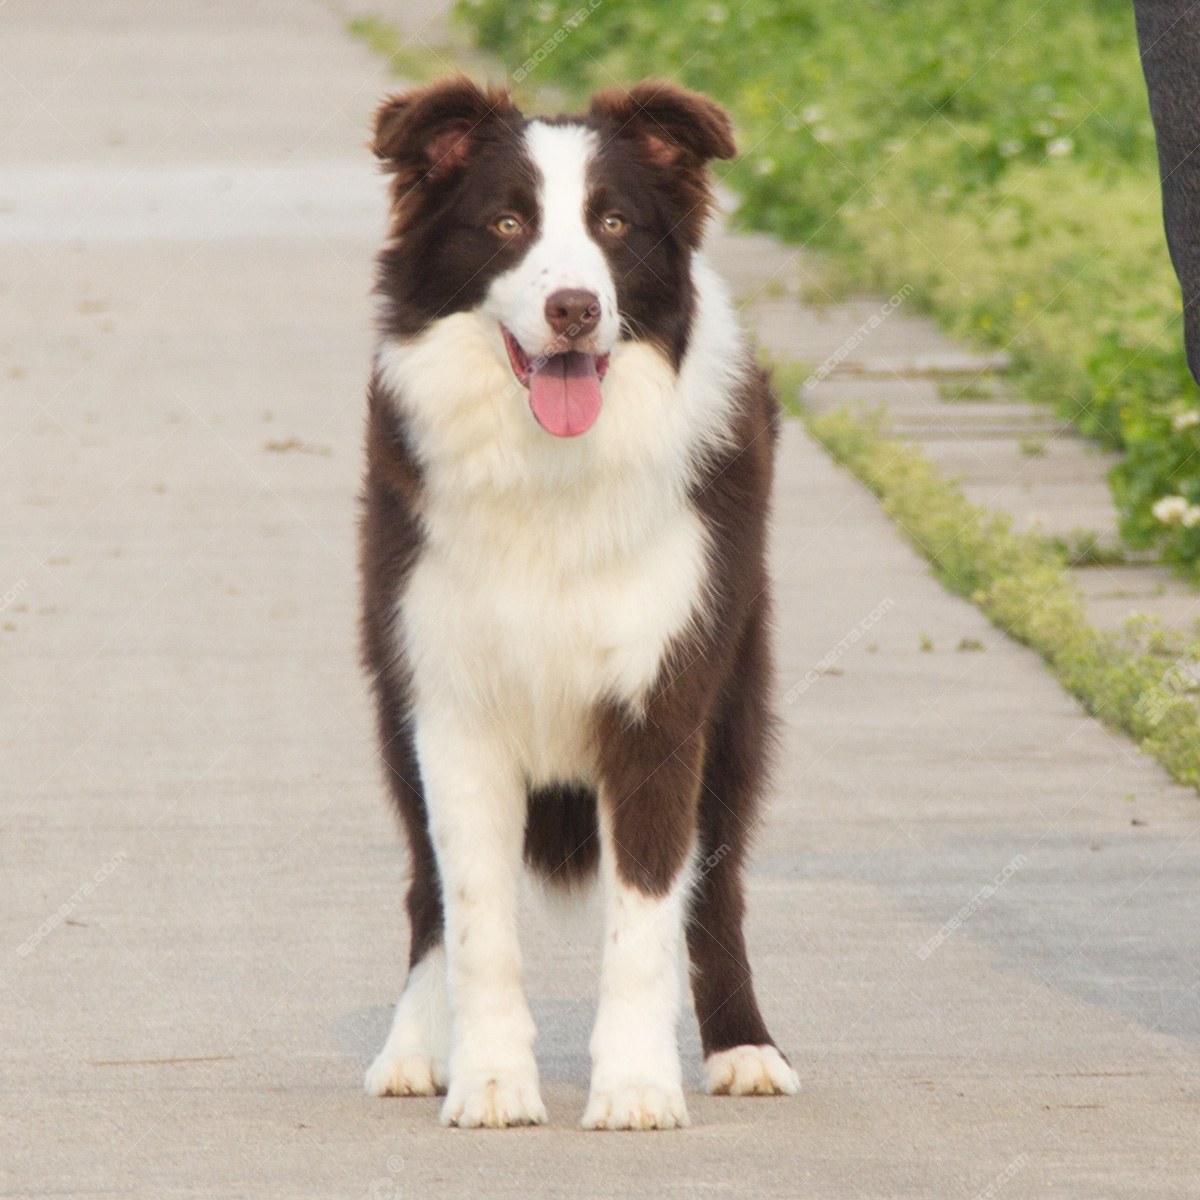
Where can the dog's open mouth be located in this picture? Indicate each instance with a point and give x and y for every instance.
(564, 388)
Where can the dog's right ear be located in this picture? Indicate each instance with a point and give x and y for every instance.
(428, 134)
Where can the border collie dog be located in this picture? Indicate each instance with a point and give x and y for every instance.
(565, 601)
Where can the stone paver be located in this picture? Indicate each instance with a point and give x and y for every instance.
(973, 909)
(870, 354)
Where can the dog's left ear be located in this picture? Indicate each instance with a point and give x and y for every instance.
(671, 124)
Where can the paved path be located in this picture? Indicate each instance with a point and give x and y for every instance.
(974, 911)
(955, 406)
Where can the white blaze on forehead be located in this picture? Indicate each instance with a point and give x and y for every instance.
(565, 255)
(561, 153)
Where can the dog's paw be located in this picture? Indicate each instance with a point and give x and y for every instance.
(493, 1102)
(635, 1106)
(750, 1071)
(412, 1074)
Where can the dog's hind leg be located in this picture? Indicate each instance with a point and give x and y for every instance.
(413, 1061)
(740, 1057)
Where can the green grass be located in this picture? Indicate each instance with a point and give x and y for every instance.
(972, 389)
(1138, 682)
(1086, 548)
(1002, 165)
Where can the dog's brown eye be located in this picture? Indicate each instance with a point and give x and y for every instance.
(507, 225)
(614, 223)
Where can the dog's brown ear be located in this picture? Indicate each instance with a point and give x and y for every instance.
(670, 122)
(428, 133)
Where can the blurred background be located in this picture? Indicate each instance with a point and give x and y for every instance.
(1000, 162)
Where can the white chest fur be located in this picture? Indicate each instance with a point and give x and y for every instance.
(555, 573)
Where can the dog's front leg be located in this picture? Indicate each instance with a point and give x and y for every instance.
(476, 802)
(648, 796)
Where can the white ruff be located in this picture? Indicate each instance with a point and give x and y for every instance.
(556, 572)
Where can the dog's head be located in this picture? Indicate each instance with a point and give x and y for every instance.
(571, 234)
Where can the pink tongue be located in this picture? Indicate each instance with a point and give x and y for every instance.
(564, 393)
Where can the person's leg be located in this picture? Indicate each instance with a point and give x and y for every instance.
(1169, 37)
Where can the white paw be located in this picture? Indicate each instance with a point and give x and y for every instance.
(413, 1059)
(635, 1106)
(412, 1074)
(491, 1102)
(750, 1071)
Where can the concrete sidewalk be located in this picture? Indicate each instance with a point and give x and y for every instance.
(974, 913)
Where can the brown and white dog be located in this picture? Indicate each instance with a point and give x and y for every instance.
(565, 602)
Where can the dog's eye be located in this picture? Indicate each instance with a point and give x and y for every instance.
(507, 225)
(614, 223)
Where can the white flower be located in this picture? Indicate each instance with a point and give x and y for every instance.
(824, 134)
(1191, 517)
(812, 114)
(1185, 420)
(1059, 147)
(765, 166)
(1171, 510)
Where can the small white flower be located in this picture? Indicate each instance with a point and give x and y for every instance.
(824, 134)
(765, 166)
(1059, 147)
(1191, 517)
(1185, 420)
(1171, 510)
(812, 114)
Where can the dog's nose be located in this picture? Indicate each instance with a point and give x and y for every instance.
(572, 312)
